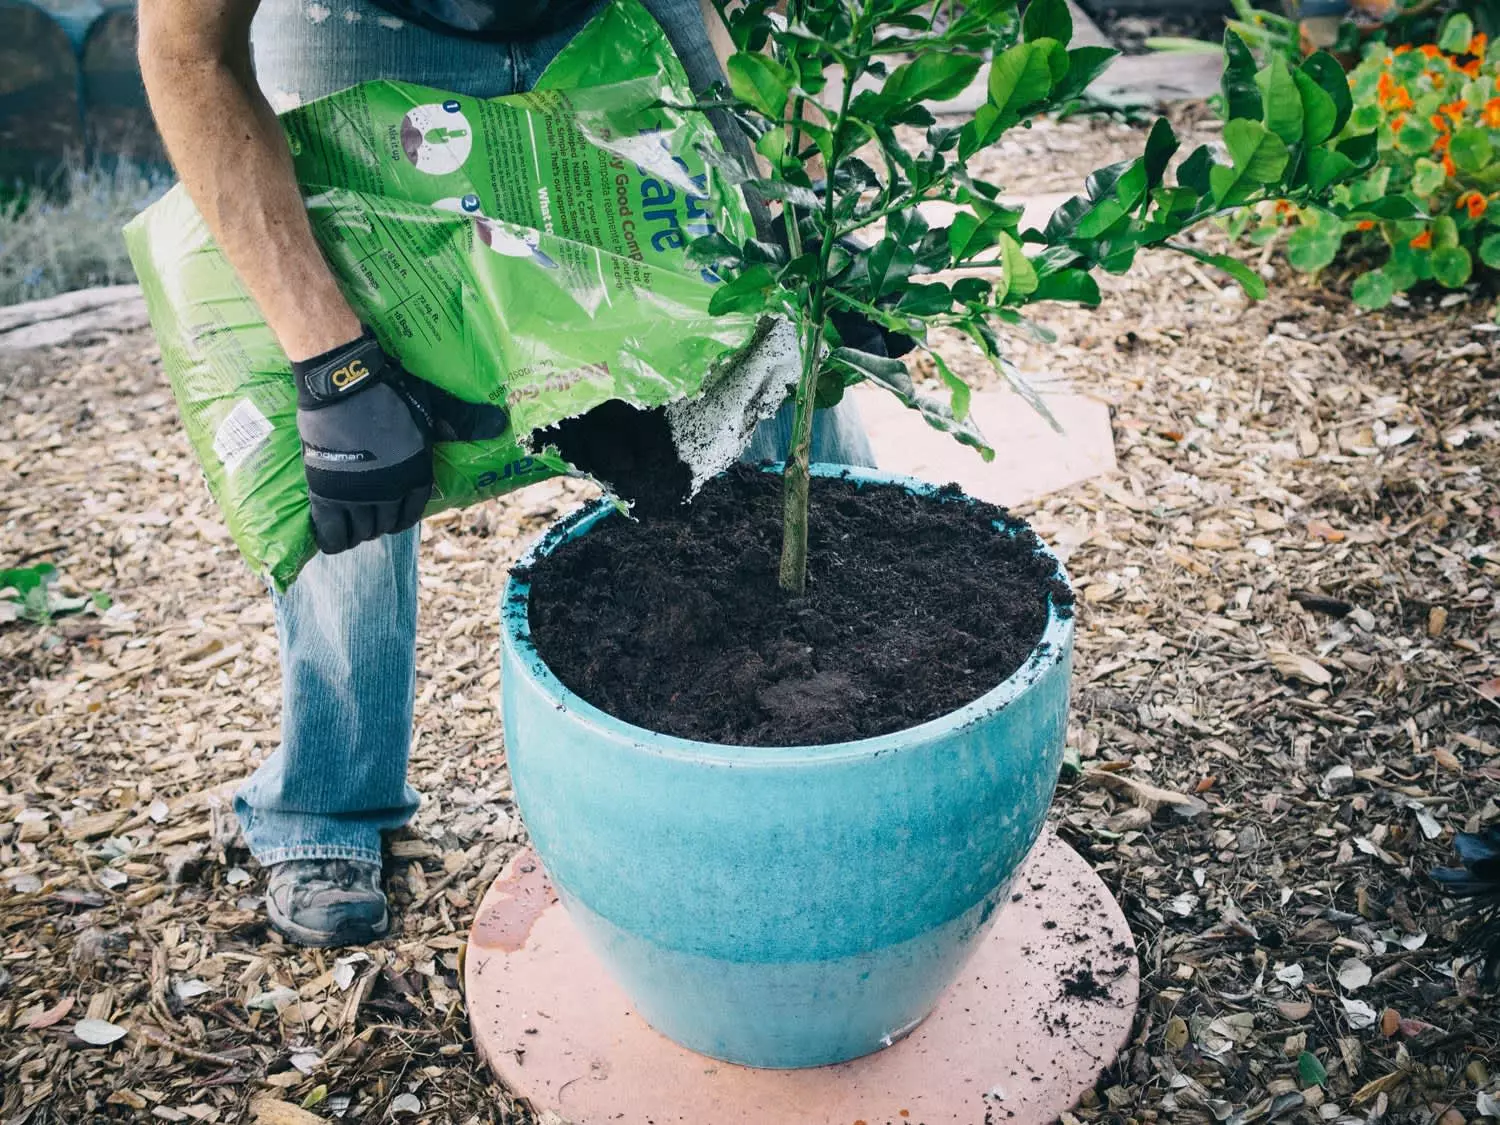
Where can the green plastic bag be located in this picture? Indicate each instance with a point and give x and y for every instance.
(525, 250)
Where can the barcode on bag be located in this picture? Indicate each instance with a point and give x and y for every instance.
(243, 431)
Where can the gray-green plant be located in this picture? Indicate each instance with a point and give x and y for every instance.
(844, 84)
(65, 235)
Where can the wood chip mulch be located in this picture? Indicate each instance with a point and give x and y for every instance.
(1287, 701)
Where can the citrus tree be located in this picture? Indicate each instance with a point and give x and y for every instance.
(838, 96)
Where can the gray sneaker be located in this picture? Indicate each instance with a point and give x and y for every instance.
(327, 901)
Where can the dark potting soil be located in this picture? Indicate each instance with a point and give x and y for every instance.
(1081, 984)
(675, 621)
(630, 450)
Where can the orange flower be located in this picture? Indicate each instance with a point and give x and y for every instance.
(1423, 241)
(1479, 44)
(1441, 126)
(1284, 207)
(1491, 113)
(1455, 110)
(1385, 87)
(1401, 99)
(1430, 50)
(1401, 50)
(1474, 202)
(1471, 68)
(1449, 168)
(1437, 81)
(1365, 224)
(1400, 120)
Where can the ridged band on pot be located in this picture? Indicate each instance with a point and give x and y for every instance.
(782, 906)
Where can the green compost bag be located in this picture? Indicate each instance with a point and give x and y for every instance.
(525, 250)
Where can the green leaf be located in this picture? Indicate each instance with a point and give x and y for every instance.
(1457, 31)
(1407, 266)
(1393, 207)
(1047, 19)
(1161, 145)
(1363, 149)
(1326, 167)
(1068, 285)
(1124, 195)
(1313, 246)
(1282, 102)
(1020, 278)
(1182, 44)
(931, 76)
(892, 375)
(1085, 216)
(713, 250)
(1259, 156)
(1319, 114)
(925, 300)
(1241, 95)
(1368, 117)
(1310, 1070)
(1427, 176)
(760, 81)
(1489, 251)
(1193, 172)
(1173, 205)
(970, 236)
(1085, 64)
(30, 589)
(1021, 76)
(1471, 149)
(772, 145)
(1250, 281)
(889, 264)
(972, 290)
(907, 227)
(1331, 77)
(1451, 266)
(959, 392)
(749, 292)
(1373, 290)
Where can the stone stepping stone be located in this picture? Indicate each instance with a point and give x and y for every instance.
(1042, 1008)
(1031, 458)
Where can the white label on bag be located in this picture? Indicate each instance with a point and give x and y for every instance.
(243, 431)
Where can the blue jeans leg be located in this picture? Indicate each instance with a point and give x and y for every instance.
(348, 631)
(838, 437)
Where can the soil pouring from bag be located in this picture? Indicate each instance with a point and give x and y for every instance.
(674, 620)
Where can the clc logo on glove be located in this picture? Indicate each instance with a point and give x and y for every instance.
(345, 377)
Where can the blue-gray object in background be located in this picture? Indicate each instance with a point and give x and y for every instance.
(782, 907)
(1315, 9)
(70, 88)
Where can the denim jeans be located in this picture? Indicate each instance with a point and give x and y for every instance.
(348, 626)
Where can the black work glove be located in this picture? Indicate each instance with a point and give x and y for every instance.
(367, 429)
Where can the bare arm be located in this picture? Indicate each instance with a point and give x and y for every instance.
(232, 157)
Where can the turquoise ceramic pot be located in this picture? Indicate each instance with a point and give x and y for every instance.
(782, 906)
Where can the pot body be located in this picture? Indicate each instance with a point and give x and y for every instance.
(782, 906)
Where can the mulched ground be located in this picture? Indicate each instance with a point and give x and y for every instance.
(1286, 703)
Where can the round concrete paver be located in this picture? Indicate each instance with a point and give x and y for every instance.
(1043, 1006)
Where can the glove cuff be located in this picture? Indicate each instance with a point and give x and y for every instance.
(340, 372)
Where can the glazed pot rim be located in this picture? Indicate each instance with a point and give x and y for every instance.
(1053, 646)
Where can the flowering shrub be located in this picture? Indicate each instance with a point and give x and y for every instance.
(1431, 203)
